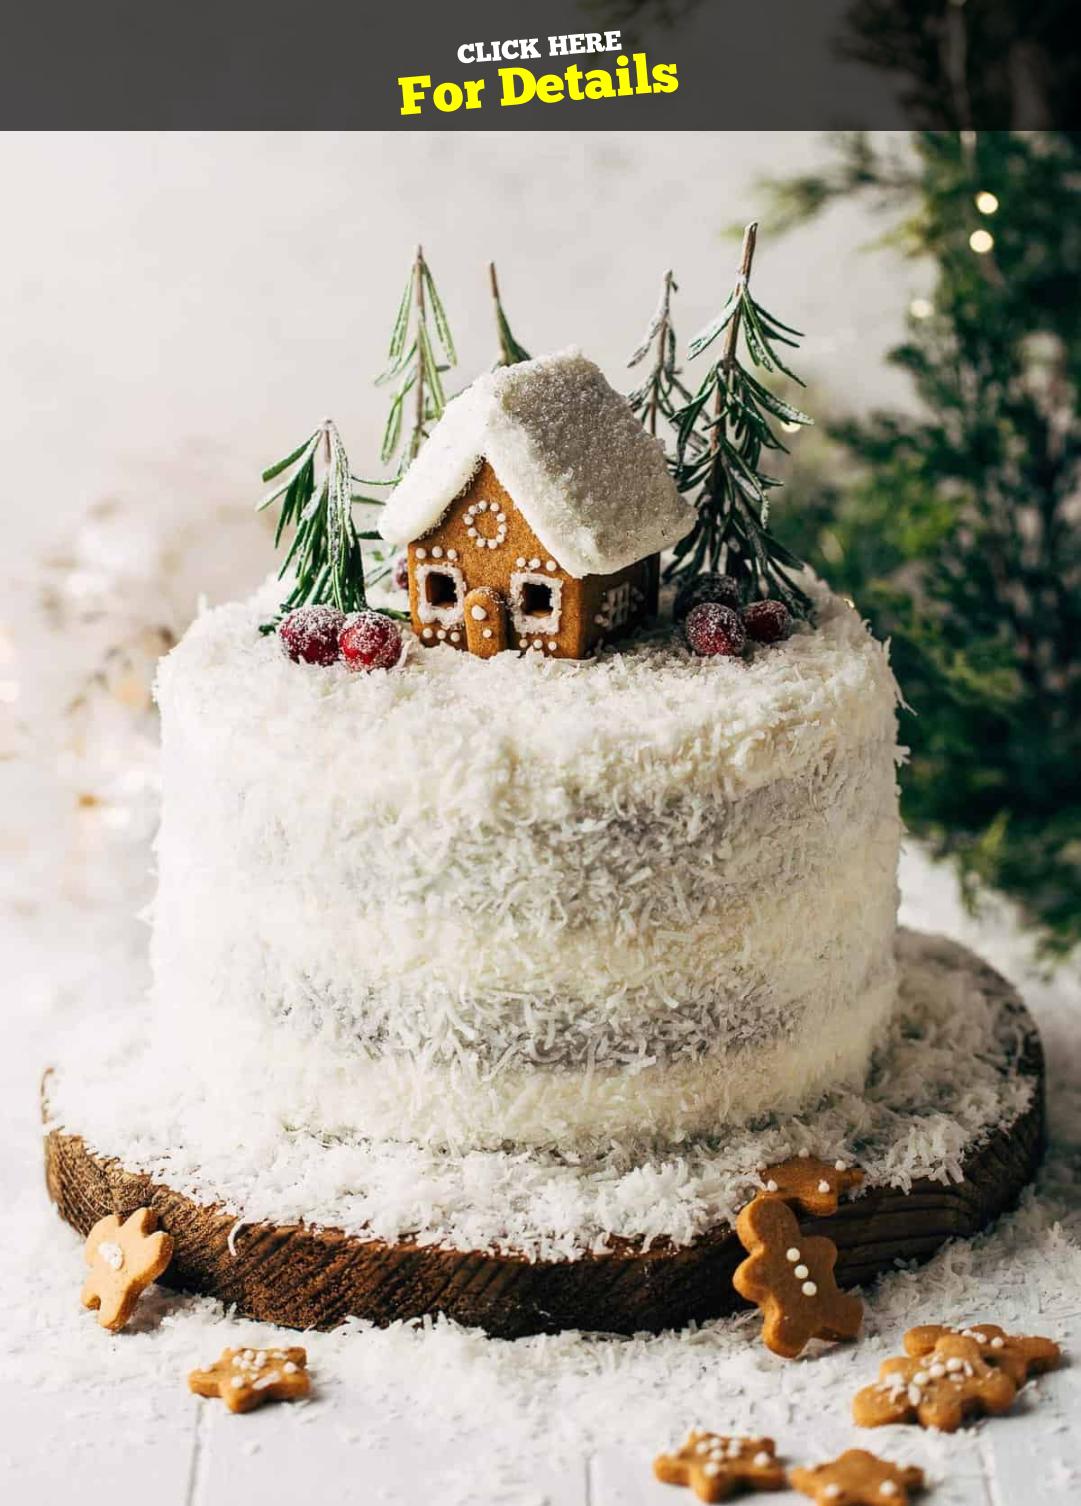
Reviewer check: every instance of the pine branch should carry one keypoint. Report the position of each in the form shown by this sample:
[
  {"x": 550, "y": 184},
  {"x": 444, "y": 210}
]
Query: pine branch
[
  {"x": 421, "y": 349},
  {"x": 662, "y": 395},
  {"x": 510, "y": 352},
  {"x": 325, "y": 557},
  {"x": 722, "y": 431}
]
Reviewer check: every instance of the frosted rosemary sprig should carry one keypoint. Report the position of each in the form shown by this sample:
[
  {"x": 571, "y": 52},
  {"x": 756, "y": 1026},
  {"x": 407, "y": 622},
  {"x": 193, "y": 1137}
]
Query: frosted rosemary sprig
[
  {"x": 722, "y": 433},
  {"x": 314, "y": 489},
  {"x": 662, "y": 393},
  {"x": 421, "y": 349},
  {"x": 510, "y": 352}
]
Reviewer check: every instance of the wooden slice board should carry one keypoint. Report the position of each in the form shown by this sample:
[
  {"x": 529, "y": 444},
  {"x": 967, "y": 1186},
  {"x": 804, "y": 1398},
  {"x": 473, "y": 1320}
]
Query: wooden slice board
[{"x": 312, "y": 1278}]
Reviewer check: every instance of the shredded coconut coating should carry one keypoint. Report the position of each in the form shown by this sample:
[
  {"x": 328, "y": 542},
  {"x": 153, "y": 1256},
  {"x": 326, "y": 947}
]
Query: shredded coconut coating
[
  {"x": 589, "y": 480},
  {"x": 942, "y": 1080},
  {"x": 518, "y": 901}
]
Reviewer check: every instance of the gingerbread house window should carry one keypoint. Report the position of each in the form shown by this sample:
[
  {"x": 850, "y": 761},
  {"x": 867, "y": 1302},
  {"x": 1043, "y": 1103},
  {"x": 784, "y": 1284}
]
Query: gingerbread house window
[
  {"x": 535, "y": 602},
  {"x": 441, "y": 594}
]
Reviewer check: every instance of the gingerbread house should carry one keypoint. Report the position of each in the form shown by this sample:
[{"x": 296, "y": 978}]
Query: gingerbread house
[{"x": 535, "y": 514}]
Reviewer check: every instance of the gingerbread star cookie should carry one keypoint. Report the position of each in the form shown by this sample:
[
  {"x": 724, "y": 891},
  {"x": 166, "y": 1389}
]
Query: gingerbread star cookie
[
  {"x": 1019, "y": 1355},
  {"x": 858, "y": 1478},
  {"x": 789, "y": 1275},
  {"x": 938, "y": 1389},
  {"x": 246, "y": 1378},
  {"x": 716, "y": 1467},
  {"x": 122, "y": 1260},
  {"x": 814, "y": 1186}
]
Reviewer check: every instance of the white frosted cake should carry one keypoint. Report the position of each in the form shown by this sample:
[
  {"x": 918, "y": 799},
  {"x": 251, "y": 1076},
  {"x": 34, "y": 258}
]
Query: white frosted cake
[{"x": 520, "y": 901}]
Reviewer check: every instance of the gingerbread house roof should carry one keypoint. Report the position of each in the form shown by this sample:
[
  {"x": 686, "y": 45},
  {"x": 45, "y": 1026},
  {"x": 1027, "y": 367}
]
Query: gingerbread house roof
[{"x": 589, "y": 480}]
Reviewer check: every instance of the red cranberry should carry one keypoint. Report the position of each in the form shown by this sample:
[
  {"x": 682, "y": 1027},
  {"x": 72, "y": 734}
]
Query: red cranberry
[
  {"x": 370, "y": 641},
  {"x": 310, "y": 634},
  {"x": 722, "y": 589},
  {"x": 400, "y": 573},
  {"x": 711, "y": 628},
  {"x": 767, "y": 621}
]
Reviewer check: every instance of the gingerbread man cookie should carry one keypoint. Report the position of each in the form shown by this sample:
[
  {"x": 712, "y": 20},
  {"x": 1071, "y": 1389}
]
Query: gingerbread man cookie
[
  {"x": 123, "y": 1259},
  {"x": 939, "y": 1389},
  {"x": 715, "y": 1467},
  {"x": 246, "y": 1378},
  {"x": 814, "y": 1186},
  {"x": 858, "y": 1478},
  {"x": 790, "y": 1277},
  {"x": 1018, "y": 1354}
]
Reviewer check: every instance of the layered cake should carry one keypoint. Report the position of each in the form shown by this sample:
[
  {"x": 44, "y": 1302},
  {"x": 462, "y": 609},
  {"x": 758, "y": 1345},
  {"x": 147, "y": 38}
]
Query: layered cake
[
  {"x": 509, "y": 921},
  {"x": 524, "y": 901}
]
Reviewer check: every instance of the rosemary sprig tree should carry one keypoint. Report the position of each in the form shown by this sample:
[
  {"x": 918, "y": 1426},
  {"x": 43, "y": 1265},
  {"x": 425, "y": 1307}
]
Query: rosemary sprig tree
[
  {"x": 421, "y": 350},
  {"x": 315, "y": 489},
  {"x": 510, "y": 352},
  {"x": 723, "y": 433},
  {"x": 662, "y": 394}
]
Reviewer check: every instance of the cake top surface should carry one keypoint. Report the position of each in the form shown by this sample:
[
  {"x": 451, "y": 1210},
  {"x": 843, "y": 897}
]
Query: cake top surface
[
  {"x": 534, "y": 737},
  {"x": 589, "y": 480}
]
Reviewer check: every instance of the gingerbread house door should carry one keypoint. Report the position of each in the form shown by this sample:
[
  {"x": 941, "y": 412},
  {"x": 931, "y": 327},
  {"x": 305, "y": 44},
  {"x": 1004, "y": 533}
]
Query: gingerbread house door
[{"x": 485, "y": 622}]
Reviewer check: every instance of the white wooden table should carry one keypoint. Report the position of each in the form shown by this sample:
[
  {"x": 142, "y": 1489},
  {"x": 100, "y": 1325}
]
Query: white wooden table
[{"x": 106, "y": 1421}]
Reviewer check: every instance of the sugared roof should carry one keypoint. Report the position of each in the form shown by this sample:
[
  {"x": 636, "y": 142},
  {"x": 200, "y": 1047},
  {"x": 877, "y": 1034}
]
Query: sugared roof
[{"x": 589, "y": 480}]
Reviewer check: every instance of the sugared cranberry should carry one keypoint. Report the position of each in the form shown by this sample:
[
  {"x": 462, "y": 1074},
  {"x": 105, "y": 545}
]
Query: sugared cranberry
[
  {"x": 722, "y": 589},
  {"x": 400, "y": 574},
  {"x": 370, "y": 641},
  {"x": 767, "y": 621},
  {"x": 711, "y": 628},
  {"x": 310, "y": 634}
]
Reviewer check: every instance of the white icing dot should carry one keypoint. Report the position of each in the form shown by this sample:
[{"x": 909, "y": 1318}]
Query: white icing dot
[
  {"x": 552, "y": 645},
  {"x": 442, "y": 633},
  {"x": 915, "y": 1395},
  {"x": 493, "y": 543},
  {"x": 480, "y": 543},
  {"x": 237, "y": 1381},
  {"x": 549, "y": 564},
  {"x": 801, "y": 1273},
  {"x": 831, "y": 1491},
  {"x": 472, "y": 532},
  {"x": 823, "y": 1186},
  {"x": 920, "y": 1378},
  {"x": 520, "y": 562},
  {"x": 437, "y": 552},
  {"x": 711, "y": 1468},
  {"x": 111, "y": 1253},
  {"x": 804, "y": 1153},
  {"x": 487, "y": 633},
  {"x": 456, "y": 637},
  {"x": 771, "y": 1185},
  {"x": 501, "y": 517},
  {"x": 997, "y": 1343},
  {"x": 840, "y": 1165},
  {"x": 538, "y": 642},
  {"x": 452, "y": 554},
  {"x": 703, "y": 1446},
  {"x": 887, "y": 1488},
  {"x": 761, "y": 1459},
  {"x": 809, "y": 1289},
  {"x": 523, "y": 642},
  {"x": 534, "y": 564},
  {"x": 981, "y": 1338},
  {"x": 936, "y": 1371},
  {"x": 792, "y": 1255},
  {"x": 427, "y": 633},
  {"x": 422, "y": 554},
  {"x": 955, "y": 1363},
  {"x": 482, "y": 507},
  {"x": 478, "y": 614}
]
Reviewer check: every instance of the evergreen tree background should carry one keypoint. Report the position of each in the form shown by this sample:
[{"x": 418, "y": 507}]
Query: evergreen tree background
[{"x": 956, "y": 527}]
